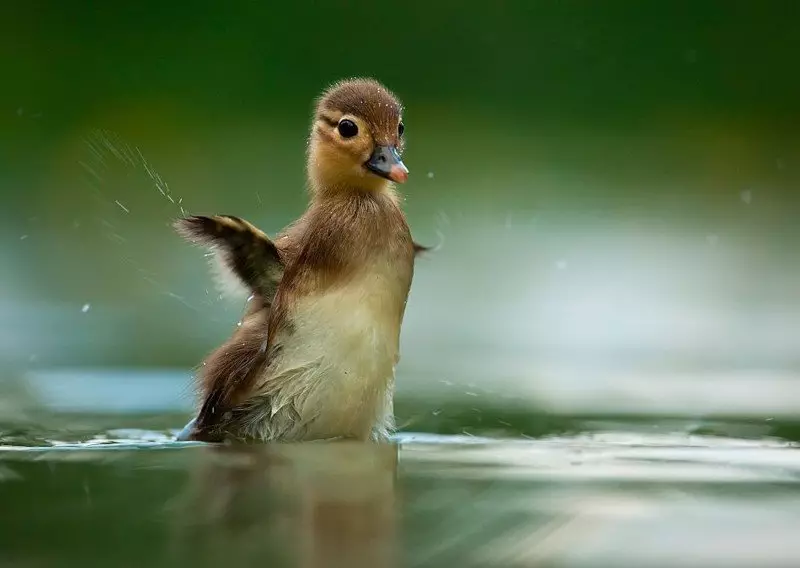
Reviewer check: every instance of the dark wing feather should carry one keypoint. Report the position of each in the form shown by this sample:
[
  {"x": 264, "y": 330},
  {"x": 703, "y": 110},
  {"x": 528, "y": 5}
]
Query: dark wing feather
[{"x": 243, "y": 249}]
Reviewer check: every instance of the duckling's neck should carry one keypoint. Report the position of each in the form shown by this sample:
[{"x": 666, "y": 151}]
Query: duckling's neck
[
  {"x": 342, "y": 190},
  {"x": 363, "y": 222},
  {"x": 347, "y": 231}
]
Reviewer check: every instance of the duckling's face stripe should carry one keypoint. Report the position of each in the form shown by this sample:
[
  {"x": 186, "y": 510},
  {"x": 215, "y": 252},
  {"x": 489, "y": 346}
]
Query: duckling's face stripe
[
  {"x": 329, "y": 120},
  {"x": 353, "y": 139}
]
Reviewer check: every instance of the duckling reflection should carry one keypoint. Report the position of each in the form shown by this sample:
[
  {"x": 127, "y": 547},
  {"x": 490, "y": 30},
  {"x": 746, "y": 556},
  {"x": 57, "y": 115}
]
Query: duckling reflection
[
  {"x": 314, "y": 357},
  {"x": 317, "y": 505}
]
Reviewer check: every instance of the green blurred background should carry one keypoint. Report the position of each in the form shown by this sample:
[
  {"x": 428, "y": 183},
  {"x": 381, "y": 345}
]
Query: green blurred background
[{"x": 614, "y": 186}]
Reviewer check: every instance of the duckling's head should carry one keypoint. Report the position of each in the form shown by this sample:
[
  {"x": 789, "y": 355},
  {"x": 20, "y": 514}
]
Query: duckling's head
[{"x": 356, "y": 138}]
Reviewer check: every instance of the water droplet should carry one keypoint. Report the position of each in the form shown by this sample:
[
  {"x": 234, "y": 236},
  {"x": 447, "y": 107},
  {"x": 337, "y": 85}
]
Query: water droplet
[
  {"x": 561, "y": 264},
  {"x": 121, "y": 206},
  {"x": 746, "y": 196},
  {"x": 86, "y": 308},
  {"x": 712, "y": 240},
  {"x": 23, "y": 237},
  {"x": 430, "y": 175}
]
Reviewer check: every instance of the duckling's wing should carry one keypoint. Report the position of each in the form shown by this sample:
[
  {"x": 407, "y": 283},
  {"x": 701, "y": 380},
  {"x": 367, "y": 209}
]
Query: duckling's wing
[
  {"x": 226, "y": 373},
  {"x": 242, "y": 250},
  {"x": 420, "y": 249}
]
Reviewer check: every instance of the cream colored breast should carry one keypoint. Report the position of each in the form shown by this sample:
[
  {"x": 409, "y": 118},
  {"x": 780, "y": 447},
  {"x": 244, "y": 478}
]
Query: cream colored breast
[{"x": 342, "y": 350}]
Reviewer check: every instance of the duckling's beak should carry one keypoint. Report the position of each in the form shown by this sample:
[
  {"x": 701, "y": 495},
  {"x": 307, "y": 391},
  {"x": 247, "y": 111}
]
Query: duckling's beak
[{"x": 386, "y": 162}]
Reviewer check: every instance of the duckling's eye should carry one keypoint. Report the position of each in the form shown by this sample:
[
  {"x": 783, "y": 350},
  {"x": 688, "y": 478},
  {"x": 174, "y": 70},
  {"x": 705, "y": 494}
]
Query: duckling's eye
[
  {"x": 400, "y": 129},
  {"x": 348, "y": 128}
]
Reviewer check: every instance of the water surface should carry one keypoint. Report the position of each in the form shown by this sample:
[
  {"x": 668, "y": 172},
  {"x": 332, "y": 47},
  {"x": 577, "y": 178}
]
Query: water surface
[{"x": 133, "y": 497}]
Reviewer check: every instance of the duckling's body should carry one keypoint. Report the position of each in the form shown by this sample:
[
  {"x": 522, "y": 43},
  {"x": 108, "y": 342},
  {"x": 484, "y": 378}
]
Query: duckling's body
[
  {"x": 336, "y": 324},
  {"x": 314, "y": 356}
]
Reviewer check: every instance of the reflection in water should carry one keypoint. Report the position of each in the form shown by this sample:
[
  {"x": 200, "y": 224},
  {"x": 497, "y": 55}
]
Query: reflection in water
[
  {"x": 589, "y": 501},
  {"x": 318, "y": 505}
]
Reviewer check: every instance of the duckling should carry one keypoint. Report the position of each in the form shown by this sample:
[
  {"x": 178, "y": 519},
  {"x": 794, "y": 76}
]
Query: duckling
[{"x": 314, "y": 356}]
